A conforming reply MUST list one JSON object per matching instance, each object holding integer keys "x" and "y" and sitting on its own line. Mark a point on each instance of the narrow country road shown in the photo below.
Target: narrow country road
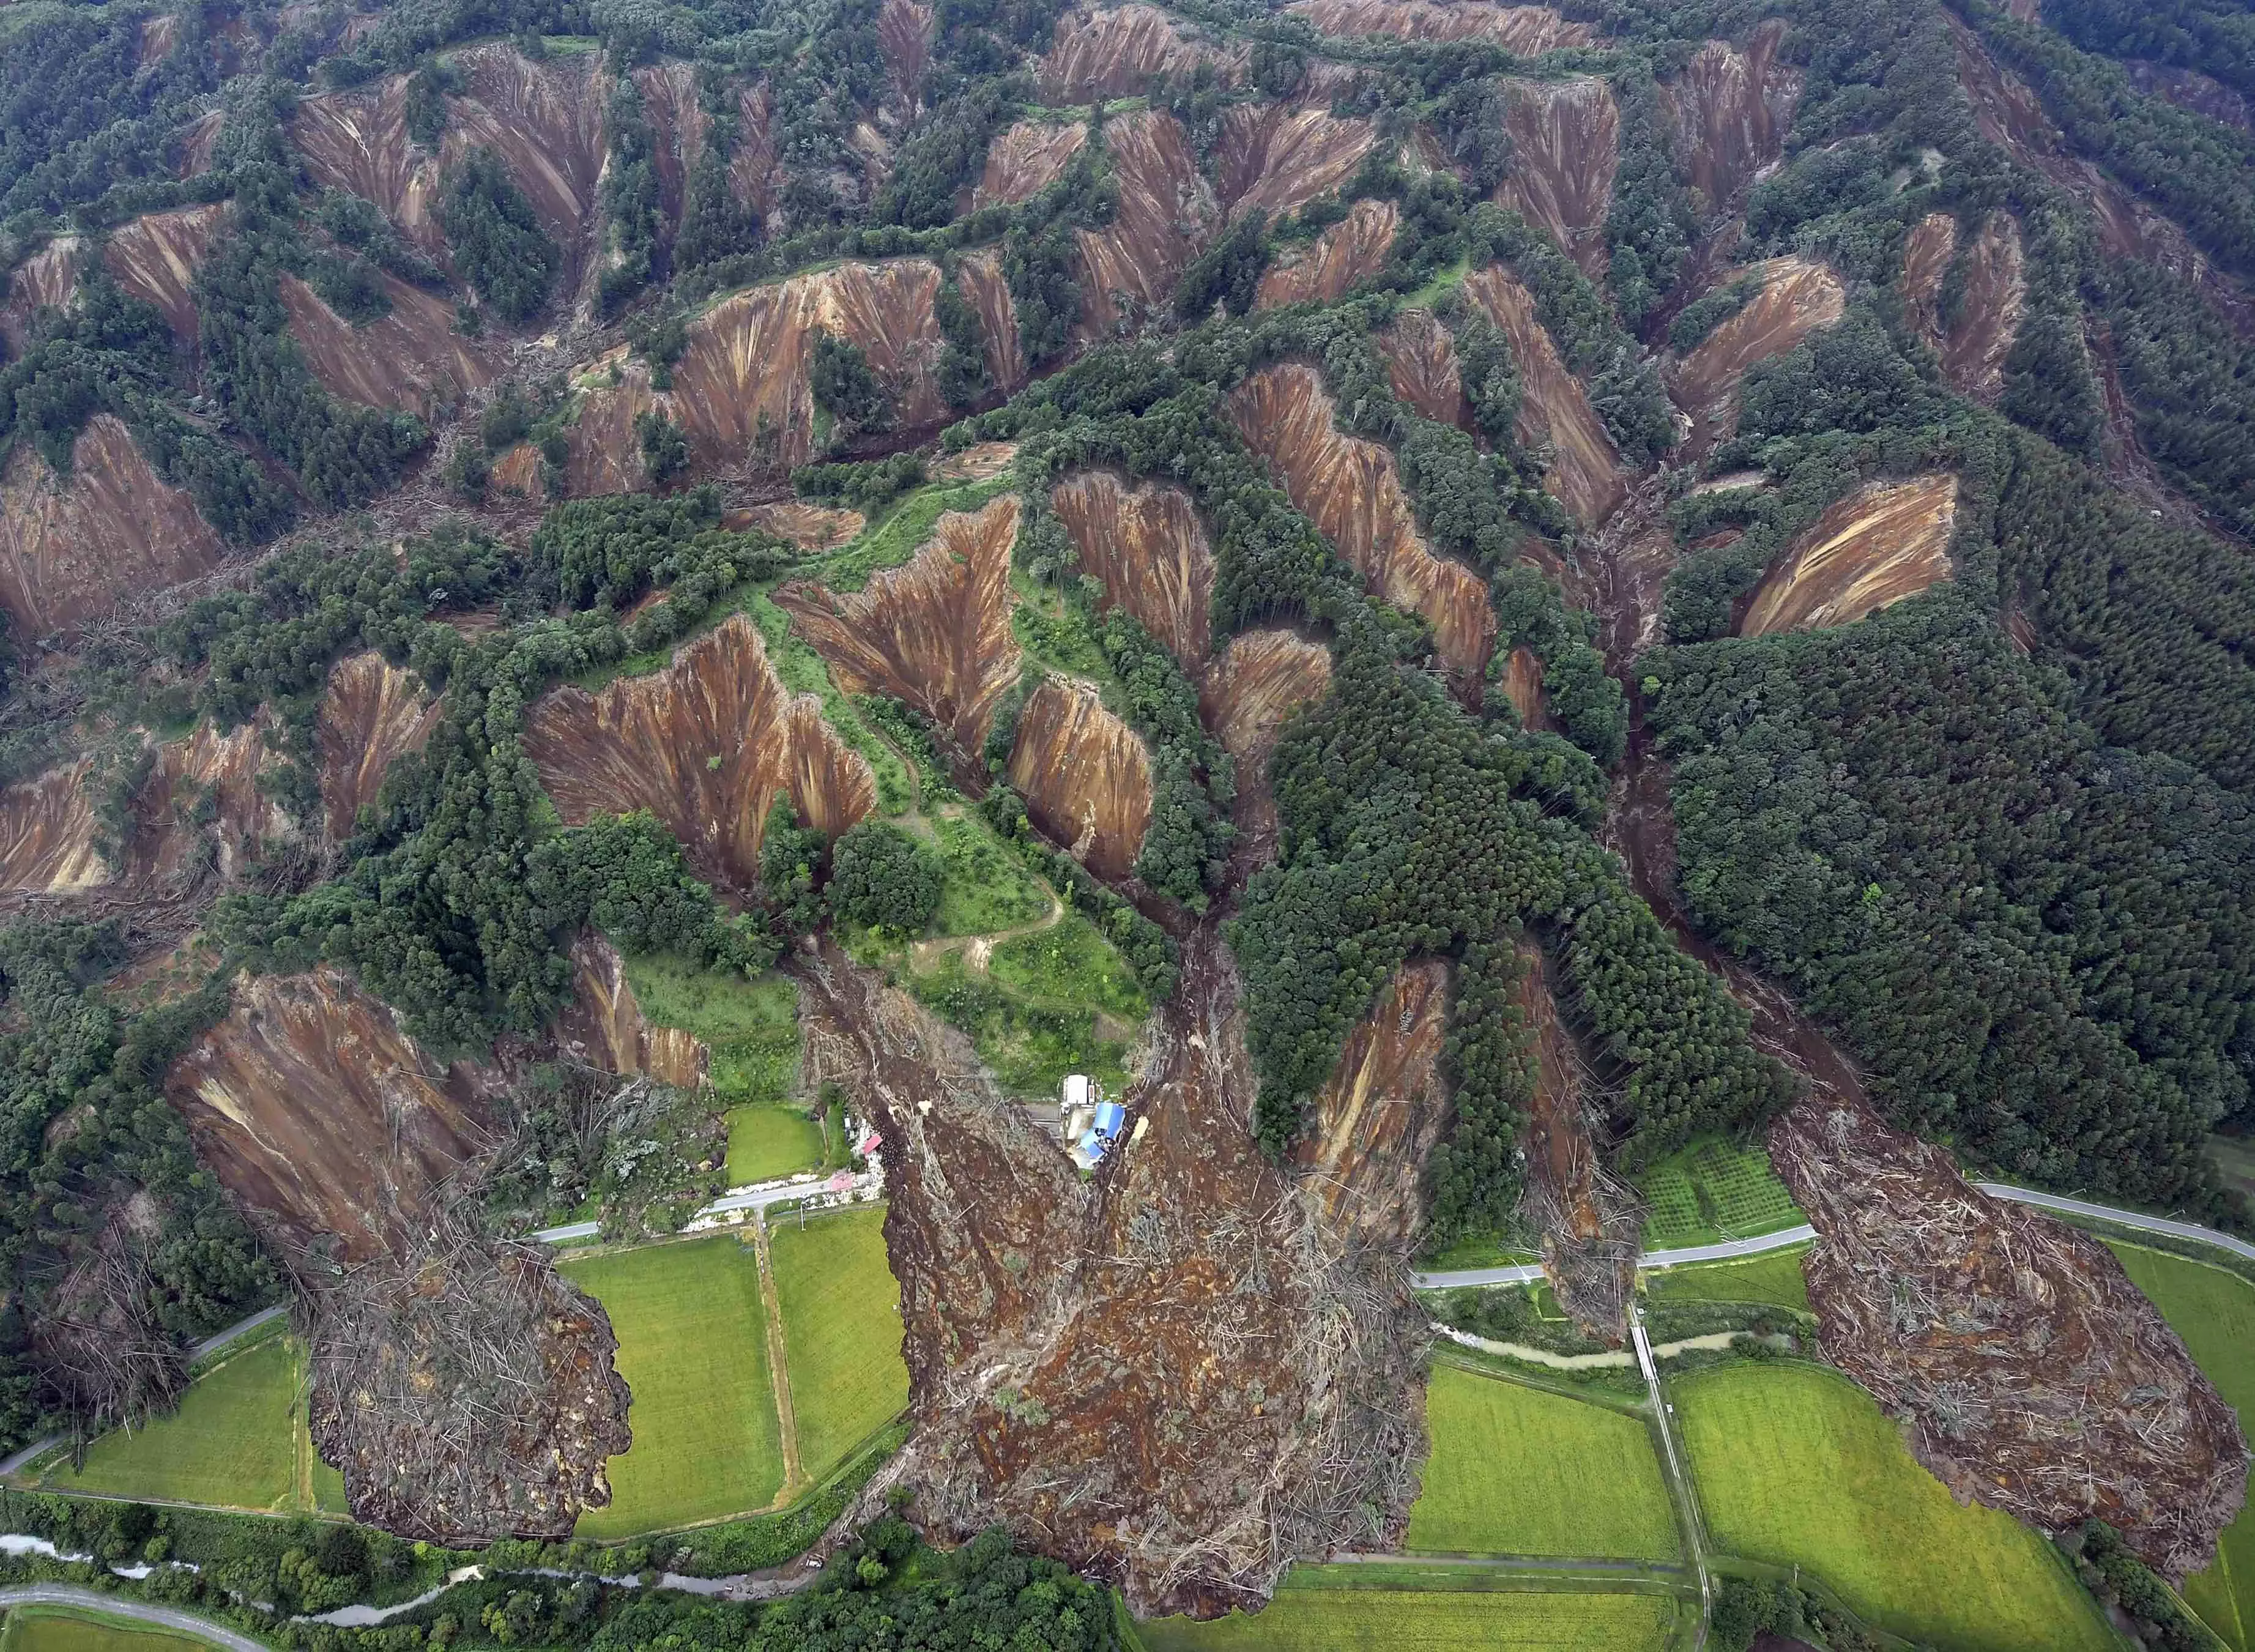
{"x": 64, "y": 1594}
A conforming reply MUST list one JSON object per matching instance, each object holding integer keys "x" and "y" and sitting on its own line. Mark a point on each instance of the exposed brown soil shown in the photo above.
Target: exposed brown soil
{"x": 1145, "y": 547}
{"x": 412, "y": 358}
{"x": 1732, "y": 107}
{"x": 154, "y": 257}
{"x": 981, "y": 462}
{"x": 1565, "y": 147}
{"x": 315, "y": 1110}
{"x": 905, "y": 35}
{"x": 1116, "y": 51}
{"x": 650, "y": 743}
{"x": 195, "y": 145}
{"x": 934, "y": 633}
{"x": 678, "y": 125}
{"x": 2190, "y": 89}
{"x": 1252, "y": 687}
{"x": 372, "y": 713}
{"x": 1528, "y": 30}
{"x": 755, "y": 171}
{"x": 546, "y": 120}
{"x": 1350, "y": 251}
{"x": 740, "y": 392}
{"x": 1590, "y": 1227}
{"x": 2028, "y": 1371}
{"x": 169, "y": 849}
{"x": 809, "y": 527}
{"x": 1972, "y": 346}
{"x": 47, "y": 832}
{"x": 48, "y": 277}
{"x": 1026, "y": 159}
{"x": 1796, "y": 299}
{"x": 1362, "y": 1161}
{"x": 1275, "y": 158}
{"x": 1178, "y": 1376}
{"x": 1584, "y": 475}
{"x": 1166, "y": 210}
{"x": 358, "y": 141}
{"x": 111, "y": 533}
{"x": 1522, "y": 686}
{"x": 1884, "y": 542}
{"x": 1350, "y": 490}
{"x": 983, "y": 283}
{"x": 1085, "y": 776}
{"x": 1421, "y": 363}
{"x": 603, "y": 1026}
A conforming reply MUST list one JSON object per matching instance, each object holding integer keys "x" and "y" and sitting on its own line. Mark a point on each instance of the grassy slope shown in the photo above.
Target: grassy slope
{"x": 987, "y": 888}
{"x": 693, "y": 1346}
{"x": 1320, "y": 1609}
{"x": 60, "y": 1629}
{"x": 751, "y": 1026}
{"x": 1796, "y": 1467}
{"x": 1516, "y": 1471}
{"x": 1775, "y": 1277}
{"x": 2213, "y": 1311}
{"x": 841, "y": 1333}
{"x": 233, "y": 1443}
{"x": 1714, "y": 1189}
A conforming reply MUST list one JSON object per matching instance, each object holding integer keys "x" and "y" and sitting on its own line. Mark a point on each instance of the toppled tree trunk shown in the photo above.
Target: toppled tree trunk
{"x": 97, "y": 1350}
{"x": 1177, "y": 1374}
{"x": 2030, "y": 1373}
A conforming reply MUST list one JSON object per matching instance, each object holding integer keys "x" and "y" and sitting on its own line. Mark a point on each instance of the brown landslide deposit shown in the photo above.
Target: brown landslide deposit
{"x": 1974, "y": 343}
{"x": 372, "y": 713}
{"x": 1885, "y": 541}
{"x": 1085, "y": 776}
{"x": 1144, "y": 545}
{"x": 1565, "y": 147}
{"x": 1796, "y": 299}
{"x": 1554, "y": 409}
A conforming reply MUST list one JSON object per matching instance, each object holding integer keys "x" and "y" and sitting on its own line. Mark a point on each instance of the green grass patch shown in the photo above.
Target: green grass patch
{"x": 1480, "y": 1250}
{"x": 1318, "y": 1609}
{"x": 1775, "y": 1276}
{"x": 895, "y": 537}
{"x": 45, "y": 1629}
{"x": 1060, "y": 636}
{"x": 1070, "y": 963}
{"x": 768, "y": 1142}
{"x": 1713, "y": 1190}
{"x": 1517, "y": 1471}
{"x": 235, "y": 1442}
{"x": 2213, "y": 1311}
{"x": 692, "y": 1347}
{"x": 804, "y": 672}
{"x": 988, "y": 888}
{"x": 1796, "y": 1467}
{"x": 1028, "y": 1047}
{"x": 1444, "y": 280}
{"x": 841, "y": 1325}
{"x": 751, "y": 1026}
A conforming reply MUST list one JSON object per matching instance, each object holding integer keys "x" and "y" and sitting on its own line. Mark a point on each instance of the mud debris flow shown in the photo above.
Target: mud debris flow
{"x": 1731, "y": 106}
{"x": 1249, "y": 690}
{"x": 1025, "y": 159}
{"x": 1374, "y": 1123}
{"x": 707, "y": 745}
{"x": 48, "y": 833}
{"x": 1145, "y": 547}
{"x": 1554, "y": 409}
{"x": 1115, "y": 51}
{"x": 1350, "y": 251}
{"x": 1528, "y": 30}
{"x": 1421, "y": 364}
{"x": 1882, "y": 542}
{"x": 1973, "y": 342}
{"x": 1275, "y": 158}
{"x": 413, "y": 357}
{"x": 1166, "y": 210}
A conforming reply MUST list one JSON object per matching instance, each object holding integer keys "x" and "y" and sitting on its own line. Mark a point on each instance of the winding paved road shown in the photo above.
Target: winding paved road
{"x": 64, "y": 1594}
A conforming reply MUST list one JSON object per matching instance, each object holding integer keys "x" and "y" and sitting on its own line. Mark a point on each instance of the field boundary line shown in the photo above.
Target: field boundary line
{"x": 794, "y": 1473}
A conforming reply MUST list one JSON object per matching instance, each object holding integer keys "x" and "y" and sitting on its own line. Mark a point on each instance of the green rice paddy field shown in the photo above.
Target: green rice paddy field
{"x": 2213, "y": 1311}
{"x": 1773, "y": 1276}
{"x": 62, "y": 1629}
{"x": 1517, "y": 1470}
{"x": 1363, "y": 1609}
{"x": 1796, "y": 1467}
{"x": 841, "y": 1328}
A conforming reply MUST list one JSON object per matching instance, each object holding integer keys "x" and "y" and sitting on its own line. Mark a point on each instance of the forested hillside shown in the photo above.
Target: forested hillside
{"x": 1721, "y": 527}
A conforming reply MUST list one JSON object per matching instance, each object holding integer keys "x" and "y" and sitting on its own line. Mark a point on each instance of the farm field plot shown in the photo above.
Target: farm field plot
{"x": 1328, "y": 1609}
{"x": 1772, "y": 1277}
{"x": 841, "y": 1327}
{"x": 237, "y": 1441}
{"x": 2213, "y": 1311}
{"x": 751, "y": 1026}
{"x": 1514, "y": 1470}
{"x": 59, "y": 1629}
{"x": 693, "y": 1346}
{"x": 1714, "y": 1190}
{"x": 1795, "y": 1466}
{"x": 768, "y": 1140}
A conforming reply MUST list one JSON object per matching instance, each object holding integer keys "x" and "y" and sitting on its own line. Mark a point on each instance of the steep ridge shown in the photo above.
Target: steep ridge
{"x": 934, "y": 633}
{"x": 1732, "y": 109}
{"x": 1116, "y": 51}
{"x": 603, "y": 1026}
{"x": 1145, "y": 547}
{"x": 1884, "y": 542}
{"x": 154, "y": 257}
{"x": 980, "y": 277}
{"x": 1351, "y": 491}
{"x": 1421, "y": 364}
{"x": 1250, "y": 691}
{"x": 47, "y": 833}
{"x": 372, "y": 713}
{"x": 113, "y": 530}
{"x": 678, "y": 127}
{"x": 1974, "y": 344}
{"x": 1085, "y": 776}
{"x": 904, "y": 36}
{"x": 1565, "y": 148}
{"x": 1132, "y": 266}
{"x": 1378, "y": 1117}
{"x": 1554, "y": 410}
{"x": 544, "y": 120}
{"x": 740, "y": 390}
{"x": 1528, "y": 30}
{"x": 412, "y": 358}
{"x": 314, "y": 1109}
{"x": 1795, "y": 299}
{"x": 358, "y": 141}
{"x": 1209, "y": 1380}
{"x": 1350, "y": 251}
{"x": 1274, "y": 158}
{"x": 2026, "y": 1368}
{"x": 1025, "y": 159}
{"x": 706, "y": 745}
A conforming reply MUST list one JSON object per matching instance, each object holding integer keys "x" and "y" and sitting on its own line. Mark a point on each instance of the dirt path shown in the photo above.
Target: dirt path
{"x": 794, "y": 1476}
